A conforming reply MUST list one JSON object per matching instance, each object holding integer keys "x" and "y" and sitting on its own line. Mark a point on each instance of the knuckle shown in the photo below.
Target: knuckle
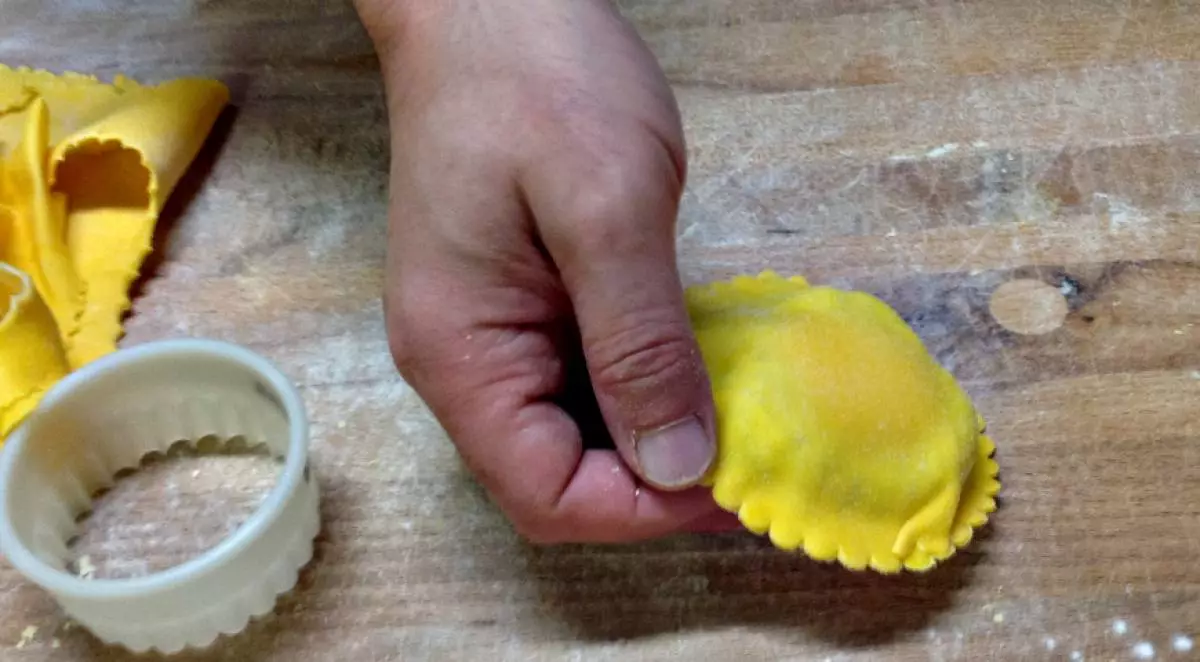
{"x": 401, "y": 348}
{"x": 536, "y": 527}
{"x": 403, "y": 330}
{"x": 621, "y": 202}
{"x": 604, "y": 208}
{"x": 645, "y": 358}
{"x": 400, "y": 344}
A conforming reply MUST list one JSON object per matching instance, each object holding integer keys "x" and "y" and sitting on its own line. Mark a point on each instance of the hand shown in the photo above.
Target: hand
{"x": 537, "y": 166}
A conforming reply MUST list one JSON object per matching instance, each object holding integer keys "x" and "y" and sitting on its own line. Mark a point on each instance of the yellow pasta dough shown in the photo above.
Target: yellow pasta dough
{"x": 31, "y": 355}
{"x": 838, "y": 433}
{"x": 85, "y": 168}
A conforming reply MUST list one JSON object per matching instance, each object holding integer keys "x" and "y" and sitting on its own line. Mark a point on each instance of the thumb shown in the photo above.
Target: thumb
{"x": 612, "y": 239}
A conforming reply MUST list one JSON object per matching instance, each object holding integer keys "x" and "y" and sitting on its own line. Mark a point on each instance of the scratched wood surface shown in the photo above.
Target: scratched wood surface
{"x": 932, "y": 152}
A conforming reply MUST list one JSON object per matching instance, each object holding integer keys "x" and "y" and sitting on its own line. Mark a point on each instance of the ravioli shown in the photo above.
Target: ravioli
{"x": 85, "y": 168}
{"x": 32, "y": 357}
{"x": 838, "y": 433}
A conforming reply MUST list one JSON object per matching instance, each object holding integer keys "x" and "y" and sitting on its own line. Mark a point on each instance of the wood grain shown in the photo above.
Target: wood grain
{"x": 928, "y": 152}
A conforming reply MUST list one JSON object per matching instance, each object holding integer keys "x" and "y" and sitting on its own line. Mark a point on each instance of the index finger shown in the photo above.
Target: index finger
{"x": 493, "y": 388}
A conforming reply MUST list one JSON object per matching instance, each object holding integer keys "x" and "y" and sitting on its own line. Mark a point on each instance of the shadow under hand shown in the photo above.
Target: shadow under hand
{"x": 577, "y": 397}
{"x": 730, "y": 580}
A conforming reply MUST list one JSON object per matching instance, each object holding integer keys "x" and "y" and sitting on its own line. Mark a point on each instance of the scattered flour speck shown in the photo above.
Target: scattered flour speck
{"x": 1182, "y": 643}
{"x": 1076, "y": 656}
{"x": 1119, "y": 626}
{"x": 938, "y": 152}
{"x": 55, "y": 643}
{"x": 1051, "y": 643}
{"x": 86, "y": 569}
{"x": 27, "y": 636}
{"x": 998, "y": 618}
{"x": 1143, "y": 650}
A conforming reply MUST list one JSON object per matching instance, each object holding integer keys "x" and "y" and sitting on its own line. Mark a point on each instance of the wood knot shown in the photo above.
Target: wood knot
{"x": 1028, "y": 307}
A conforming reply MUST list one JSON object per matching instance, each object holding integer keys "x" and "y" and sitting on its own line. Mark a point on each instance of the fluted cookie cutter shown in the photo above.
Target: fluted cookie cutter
{"x": 106, "y": 417}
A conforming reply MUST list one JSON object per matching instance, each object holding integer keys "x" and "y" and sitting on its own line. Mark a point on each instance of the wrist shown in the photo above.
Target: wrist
{"x": 391, "y": 24}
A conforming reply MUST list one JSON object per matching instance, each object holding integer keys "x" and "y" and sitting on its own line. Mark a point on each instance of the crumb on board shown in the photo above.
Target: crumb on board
{"x": 85, "y": 567}
{"x": 28, "y": 635}
{"x": 1182, "y": 643}
{"x": 1120, "y": 627}
{"x": 1143, "y": 650}
{"x": 939, "y": 152}
{"x": 998, "y": 618}
{"x": 55, "y": 643}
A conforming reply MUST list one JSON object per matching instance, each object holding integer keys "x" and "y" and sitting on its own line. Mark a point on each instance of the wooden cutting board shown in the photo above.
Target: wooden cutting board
{"x": 1018, "y": 178}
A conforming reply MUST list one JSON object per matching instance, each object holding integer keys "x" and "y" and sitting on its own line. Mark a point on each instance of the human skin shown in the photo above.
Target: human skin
{"x": 537, "y": 165}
